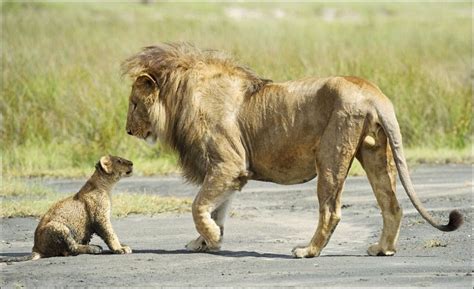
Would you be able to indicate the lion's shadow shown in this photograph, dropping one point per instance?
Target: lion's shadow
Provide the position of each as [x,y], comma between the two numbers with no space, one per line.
[242,254]
[222,253]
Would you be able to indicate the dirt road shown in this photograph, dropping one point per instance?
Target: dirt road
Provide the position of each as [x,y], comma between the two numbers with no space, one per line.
[266,221]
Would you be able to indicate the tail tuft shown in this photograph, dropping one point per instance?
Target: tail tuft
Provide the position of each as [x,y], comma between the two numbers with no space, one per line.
[455,221]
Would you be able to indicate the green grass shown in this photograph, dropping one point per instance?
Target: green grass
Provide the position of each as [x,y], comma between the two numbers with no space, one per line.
[423,155]
[63,102]
[18,199]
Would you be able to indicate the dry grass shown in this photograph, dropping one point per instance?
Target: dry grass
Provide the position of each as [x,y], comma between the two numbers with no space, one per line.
[128,204]
[17,199]
[123,205]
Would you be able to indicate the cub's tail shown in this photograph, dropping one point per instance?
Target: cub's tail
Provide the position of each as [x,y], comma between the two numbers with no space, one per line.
[386,115]
[32,256]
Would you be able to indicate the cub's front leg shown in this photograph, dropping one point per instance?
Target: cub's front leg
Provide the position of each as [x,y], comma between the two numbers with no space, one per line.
[106,232]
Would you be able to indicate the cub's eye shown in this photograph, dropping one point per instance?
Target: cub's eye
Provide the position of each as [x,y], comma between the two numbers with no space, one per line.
[120,161]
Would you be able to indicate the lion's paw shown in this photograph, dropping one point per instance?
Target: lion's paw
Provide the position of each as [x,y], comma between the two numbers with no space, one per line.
[304,252]
[95,249]
[200,245]
[197,245]
[377,250]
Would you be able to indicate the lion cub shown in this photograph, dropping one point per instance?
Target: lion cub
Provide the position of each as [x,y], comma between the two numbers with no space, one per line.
[66,229]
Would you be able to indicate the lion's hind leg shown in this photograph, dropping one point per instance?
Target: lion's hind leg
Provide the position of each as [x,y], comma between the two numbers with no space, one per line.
[220,214]
[334,157]
[377,161]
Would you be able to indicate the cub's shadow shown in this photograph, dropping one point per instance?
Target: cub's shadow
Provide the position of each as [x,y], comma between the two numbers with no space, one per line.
[14,254]
[222,253]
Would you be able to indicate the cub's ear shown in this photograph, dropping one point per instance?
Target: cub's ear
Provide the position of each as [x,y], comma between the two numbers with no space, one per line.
[106,164]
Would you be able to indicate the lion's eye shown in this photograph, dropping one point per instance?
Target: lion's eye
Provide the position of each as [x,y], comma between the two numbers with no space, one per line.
[149,83]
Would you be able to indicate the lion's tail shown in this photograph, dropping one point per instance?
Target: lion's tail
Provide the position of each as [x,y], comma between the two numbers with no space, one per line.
[386,115]
[32,256]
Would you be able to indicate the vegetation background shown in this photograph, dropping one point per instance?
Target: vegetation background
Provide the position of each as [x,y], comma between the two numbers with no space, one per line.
[64,102]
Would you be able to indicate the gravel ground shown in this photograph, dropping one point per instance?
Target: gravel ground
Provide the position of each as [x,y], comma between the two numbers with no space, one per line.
[266,221]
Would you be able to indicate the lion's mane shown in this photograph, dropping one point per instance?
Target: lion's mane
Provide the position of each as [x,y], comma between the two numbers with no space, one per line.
[178,68]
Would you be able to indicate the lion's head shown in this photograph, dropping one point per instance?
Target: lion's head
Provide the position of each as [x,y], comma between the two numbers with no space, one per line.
[142,109]
[160,74]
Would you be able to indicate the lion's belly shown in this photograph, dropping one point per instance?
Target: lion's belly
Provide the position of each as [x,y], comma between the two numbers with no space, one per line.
[285,165]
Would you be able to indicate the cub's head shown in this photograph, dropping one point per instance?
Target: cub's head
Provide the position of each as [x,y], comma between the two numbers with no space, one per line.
[145,117]
[115,167]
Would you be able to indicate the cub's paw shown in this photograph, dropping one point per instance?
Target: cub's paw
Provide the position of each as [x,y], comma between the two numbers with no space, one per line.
[200,245]
[95,249]
[304,252]
[123,250]
[377,250]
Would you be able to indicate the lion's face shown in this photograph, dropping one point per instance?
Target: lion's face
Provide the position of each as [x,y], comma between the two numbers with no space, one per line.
[141,109]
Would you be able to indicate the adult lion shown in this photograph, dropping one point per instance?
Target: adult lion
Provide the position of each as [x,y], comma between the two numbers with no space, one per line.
[229,126]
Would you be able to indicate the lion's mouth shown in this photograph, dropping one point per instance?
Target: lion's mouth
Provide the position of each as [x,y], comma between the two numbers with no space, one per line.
[129,172]
[150,139]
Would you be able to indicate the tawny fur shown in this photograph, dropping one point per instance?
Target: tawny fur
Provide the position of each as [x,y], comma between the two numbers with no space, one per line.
[228,125]
[66,229]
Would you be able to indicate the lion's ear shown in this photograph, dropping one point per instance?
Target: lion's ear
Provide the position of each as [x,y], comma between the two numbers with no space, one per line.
[148,87]
[106,164]
[147,82]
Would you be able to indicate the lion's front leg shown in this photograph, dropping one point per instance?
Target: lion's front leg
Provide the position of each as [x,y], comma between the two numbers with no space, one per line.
[218,216]
[210,233]
[209,211]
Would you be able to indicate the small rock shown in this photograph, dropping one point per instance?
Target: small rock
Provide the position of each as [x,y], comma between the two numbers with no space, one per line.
[435,243]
